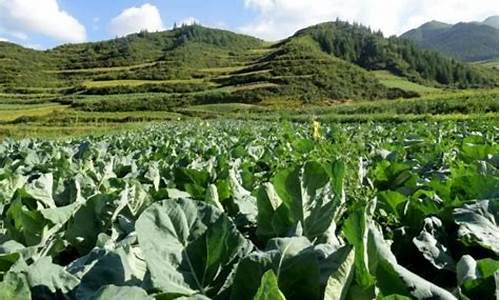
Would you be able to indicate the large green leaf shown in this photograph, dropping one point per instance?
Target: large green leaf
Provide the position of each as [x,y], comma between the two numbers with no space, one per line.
[244,201]
[339,282]
[294,262]
[14,286]
[477,279]
[89,220]
[9,183]
[6,261]
[60,215]
[302,269]
[393,278]
[269,289]
[311,196]
[24,224]
[46,278]
[41,190]
[479,223]
[429,243]
[355,230]
[122,266]
[192,181]
[190,247]
[267,204]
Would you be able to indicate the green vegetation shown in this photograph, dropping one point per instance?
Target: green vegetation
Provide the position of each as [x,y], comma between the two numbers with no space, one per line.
[392,81]
[197,65]
[202,164]
[54,132]
[491,64]
[106,110]
[470,42]
[252,210]
[359,45]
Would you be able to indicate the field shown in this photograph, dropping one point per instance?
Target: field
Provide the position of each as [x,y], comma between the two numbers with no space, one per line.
[393,81]
[51,113]
[321,211]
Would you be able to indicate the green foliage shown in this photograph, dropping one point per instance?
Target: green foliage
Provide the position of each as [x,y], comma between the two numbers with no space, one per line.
[253,210]
[198,65]
[359,45]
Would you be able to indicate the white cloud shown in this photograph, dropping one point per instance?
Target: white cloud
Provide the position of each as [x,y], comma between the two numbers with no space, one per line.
[3,39]
[278,19]
[20,18]
[135,19]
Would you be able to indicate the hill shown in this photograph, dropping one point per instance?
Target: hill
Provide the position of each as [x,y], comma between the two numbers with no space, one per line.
[491,21]
[471,42]
[198,65]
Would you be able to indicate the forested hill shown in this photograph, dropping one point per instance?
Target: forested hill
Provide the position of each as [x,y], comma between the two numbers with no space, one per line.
[370,50]
[147,47]
[474,41]
[195,64]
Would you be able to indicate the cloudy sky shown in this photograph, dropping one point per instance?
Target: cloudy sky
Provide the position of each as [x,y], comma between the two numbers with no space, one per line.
[47,23]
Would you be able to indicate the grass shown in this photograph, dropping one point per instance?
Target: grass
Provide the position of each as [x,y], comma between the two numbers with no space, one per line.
[491,64]
[393,81]
[9,114]
[72,117]
[222,70]
[465,104]
[135,83]
[387,117]
[23,107]
[224,108]
[250,86]
[62,132]
[102,70]
[53,119]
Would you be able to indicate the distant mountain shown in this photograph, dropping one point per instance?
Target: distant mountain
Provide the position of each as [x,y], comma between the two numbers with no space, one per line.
[491,21]
[195,64]
[470,42]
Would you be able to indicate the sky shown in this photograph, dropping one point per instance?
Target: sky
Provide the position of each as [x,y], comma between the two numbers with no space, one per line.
[43,24]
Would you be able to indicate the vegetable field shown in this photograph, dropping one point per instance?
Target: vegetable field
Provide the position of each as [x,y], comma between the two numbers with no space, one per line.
[253,210]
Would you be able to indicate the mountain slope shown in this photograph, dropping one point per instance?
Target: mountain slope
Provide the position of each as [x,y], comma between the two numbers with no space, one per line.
[194,64]
[371,51]
[21,66]
[491,21]
[465,41]
[426,31]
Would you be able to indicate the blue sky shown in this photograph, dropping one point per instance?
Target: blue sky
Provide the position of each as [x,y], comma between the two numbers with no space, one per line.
[47,23]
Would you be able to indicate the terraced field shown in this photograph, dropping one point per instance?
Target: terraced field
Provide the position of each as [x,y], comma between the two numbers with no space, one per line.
[393,81]
[197,72]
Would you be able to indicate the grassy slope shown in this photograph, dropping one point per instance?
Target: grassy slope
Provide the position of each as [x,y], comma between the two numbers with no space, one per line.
[148,61]
[164,75]
[392,81]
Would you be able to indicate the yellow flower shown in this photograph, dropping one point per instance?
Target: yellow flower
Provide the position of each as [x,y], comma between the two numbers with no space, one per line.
[316,130]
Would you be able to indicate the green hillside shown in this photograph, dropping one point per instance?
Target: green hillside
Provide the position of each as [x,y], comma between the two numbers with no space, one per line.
[198,65]
[371,51]
[475,41]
